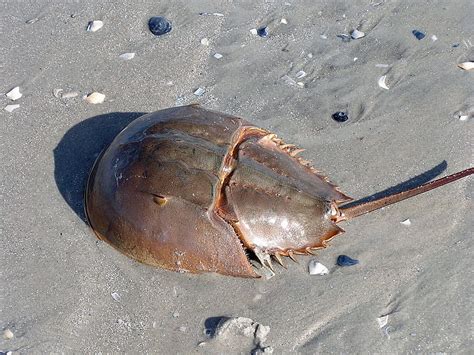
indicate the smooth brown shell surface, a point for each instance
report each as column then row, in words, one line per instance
column 190, row 190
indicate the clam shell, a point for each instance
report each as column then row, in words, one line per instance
column 11, row 108
column 127, row 56
column 14, row 94
column 381, row 82
column 94, row 26
column 466, row 65
column 356, row 34
column 95, row 98
column 316, row 268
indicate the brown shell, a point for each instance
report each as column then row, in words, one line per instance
column 193, row 190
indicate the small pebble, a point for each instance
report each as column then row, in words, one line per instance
column 127, row 56
column 310, row 55
column 7, row 334
column 199, row 92
column 340, row 116
column 356, row 34
column 434, row 38
column 95, row 98
column 254, row 31
column 300, row 74
column 116, row 296
column 218, row 56
column 14, row 94
column 94, row 26
column 406, row 222
column 11, row 108
column 159, row 25
column 263, row 32
column 418, row 34
column 284, row 21
column 344, row 260
column 316, row 268
column 205, row 42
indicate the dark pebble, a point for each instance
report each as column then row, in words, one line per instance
column 419, row 35
column 455, row 45
column 159, row 25
column 344, row 260
column 263, row 32
column 344, row 37
column 340, row 116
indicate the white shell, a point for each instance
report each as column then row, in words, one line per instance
column 127, row 56
column 69, row 95
column 300, row 84
column 381, row 82
column 115, row 296
column 95, row 98
column 316, row 268
column 382, row 321
column 199, row 92
column 7, row 334
column 253, row 31
column 406, row 222
column 300, row 74
column 57, row 93
column 434, row 38
column 205, row 42
column 218, row 56
column 463, row 117
column 94, row 26
column 14, row 94
column 382, row 65
column 11, row 108
column 356, row 34
column 284, row 21
column 466, row 65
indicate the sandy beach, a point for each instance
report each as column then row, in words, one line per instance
column 64, row 291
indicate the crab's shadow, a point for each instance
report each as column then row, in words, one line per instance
column 76, row 152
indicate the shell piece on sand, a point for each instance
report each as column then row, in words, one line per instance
column 254, row 31
column 94, row 26
column 57, row 93
column 466, row 65
column 14, row 94
column 115, row 296
column 406, row 222
column 199, row 92
column 70, row 95
column 8, row 334
column 300, row 74
column 205, row 42
column 316, row 268
column 95, row 98
column 217, row 55
column 382, row 321
column 284, row 21
column 11, row 108
column 127, row 56
column 356, row 34
column 382, row 83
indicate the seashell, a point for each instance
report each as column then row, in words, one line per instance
column 95, row 98
column 199, row 92
column 217, row 55
column 340, row 116
column 344, row 260
column 316, row 268
column 323, row 36
column 205, row 42
column 356, row 34
column 263, row 32
column 94, row 26
column 254, row 31
column 382, row 321
column 8, row 334
column 300, row 74
column 466, row 65
column 14, row 94
column 463, row 117
column 127, row 56
column 57, row 93
column 300, row 84
column 406, row 222
column 418, row 34
column 159, row 25
column 434, row 38
column 284, row 21
column 11, row 108
column 381, row 82
column 116, row 296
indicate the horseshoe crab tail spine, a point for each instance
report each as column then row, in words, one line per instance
column 350, row 211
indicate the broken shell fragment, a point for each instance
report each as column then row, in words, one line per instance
column 199, row 92
column 14, row 94
column 356, row 34
column 127, row 56
column 316, row 268
column 382, row 83
column 217, row 55
column 70, row 95
column 57, row 93
column 382, row 321
column 406, row 222
column 466, row 65
column 263, row 32
column 205, row 42
column 95, row 98
column 8, row 334
column 418, row 34
column 254, row 31
column 94, row 26
column 344, row 260
column 300, row 74
column 11, row 108
column 284, row 21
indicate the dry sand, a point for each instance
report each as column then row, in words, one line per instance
column 57, row 280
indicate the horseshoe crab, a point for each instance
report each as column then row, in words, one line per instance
column 193, row 190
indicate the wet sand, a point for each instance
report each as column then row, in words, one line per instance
column 57, row 279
